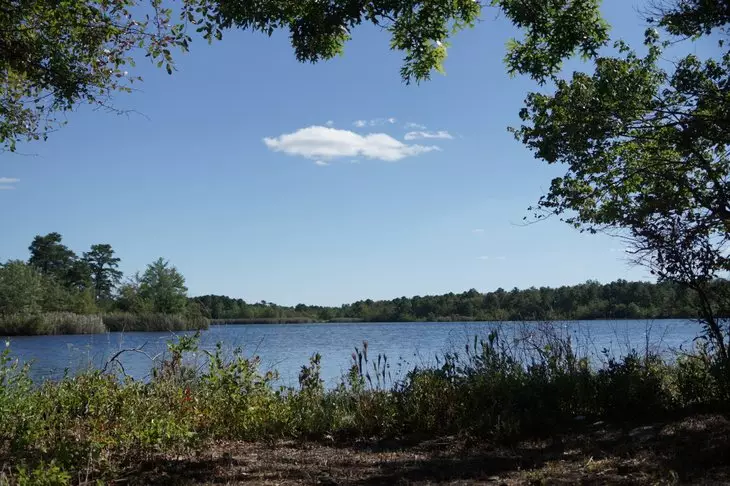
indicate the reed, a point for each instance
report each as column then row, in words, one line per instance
column 50, row 323
column 153, row 322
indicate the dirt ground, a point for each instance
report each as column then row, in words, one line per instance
column 691, row 450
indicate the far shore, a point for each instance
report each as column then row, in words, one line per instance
column 346, row 320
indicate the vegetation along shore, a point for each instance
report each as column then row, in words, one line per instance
column 507, row 417
column 58, row 292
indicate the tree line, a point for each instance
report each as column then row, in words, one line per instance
column 55, row 279
column 591, row 300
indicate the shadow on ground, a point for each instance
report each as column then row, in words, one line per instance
column 693, row 450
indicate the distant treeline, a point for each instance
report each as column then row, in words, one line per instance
column 591, row 300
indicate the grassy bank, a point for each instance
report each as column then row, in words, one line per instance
column 96, row 426
column 70, row 323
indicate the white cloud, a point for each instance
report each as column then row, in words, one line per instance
column 414, row 126
column 325, row 144
column 330, row 123
column 483, row 258
column 478, row 230
column 500, row 258
column 422, row 135
column 320, row 163
column 6, row 183
column 375, row 122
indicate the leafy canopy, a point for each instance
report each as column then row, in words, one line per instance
column 50, row 256
column 646, row 147
column 56, row 55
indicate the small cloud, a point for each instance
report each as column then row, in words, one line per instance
column 320, row 163
column 442, row 134
column 325, row 144
column 483, row 258
column 6, row 183
column 330, row 123
column 414, row 126
column 498, row 258
column 477, row 230
column 375, row 122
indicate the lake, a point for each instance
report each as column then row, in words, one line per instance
column 286, row 347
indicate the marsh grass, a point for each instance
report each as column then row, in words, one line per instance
column 153, row 322
column 69, row 323
column 97, row 424
column 50, row 323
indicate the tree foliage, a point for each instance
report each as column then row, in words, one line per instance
column 20, row 288
column 646, row 147
column 590, row 300
column 163, row 287
column 57, row 55
column 50, row 256
column 103, row 266
column 55, row 280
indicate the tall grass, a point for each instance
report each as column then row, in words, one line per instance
column 284, row 320
column 264, row 320
column 70, row 323
column 50, row 323
column 153, row 322
column 496, row 389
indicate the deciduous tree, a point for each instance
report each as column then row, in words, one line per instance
column 645, row 144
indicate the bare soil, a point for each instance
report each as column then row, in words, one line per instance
column 689, row 450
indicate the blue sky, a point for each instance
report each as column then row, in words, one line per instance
column 223, row 174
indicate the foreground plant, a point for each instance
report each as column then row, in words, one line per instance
column 101, row 426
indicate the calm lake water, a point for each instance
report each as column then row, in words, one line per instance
column 287, row 347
